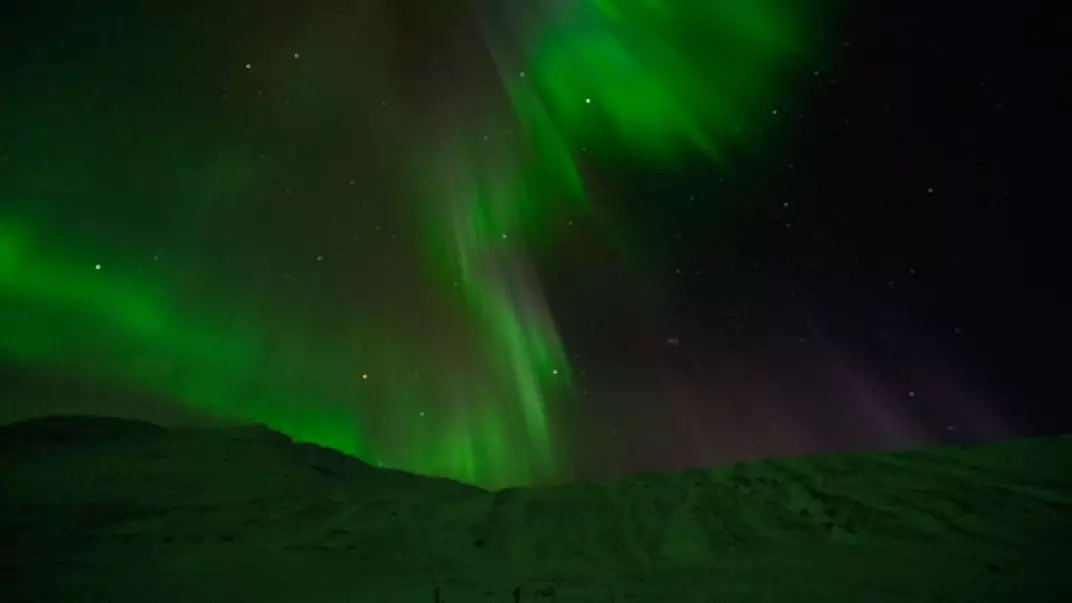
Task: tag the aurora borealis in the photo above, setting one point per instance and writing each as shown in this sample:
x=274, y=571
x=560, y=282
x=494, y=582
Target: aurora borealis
x=389, y=227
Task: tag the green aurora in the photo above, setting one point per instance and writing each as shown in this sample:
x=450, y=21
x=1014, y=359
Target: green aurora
x=454, y=367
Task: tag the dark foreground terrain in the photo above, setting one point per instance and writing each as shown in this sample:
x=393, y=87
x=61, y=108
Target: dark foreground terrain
x=96, y=509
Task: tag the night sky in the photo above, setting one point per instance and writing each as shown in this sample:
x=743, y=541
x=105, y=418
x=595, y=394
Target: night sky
x=517, y=242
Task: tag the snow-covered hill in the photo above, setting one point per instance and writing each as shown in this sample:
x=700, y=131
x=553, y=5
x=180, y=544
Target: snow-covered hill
x=97, y=509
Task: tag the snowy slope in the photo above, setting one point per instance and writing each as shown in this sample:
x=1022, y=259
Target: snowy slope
x=95, y=509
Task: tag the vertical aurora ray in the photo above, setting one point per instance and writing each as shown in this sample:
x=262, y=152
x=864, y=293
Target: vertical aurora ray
x=481, y=219
x=648, y=80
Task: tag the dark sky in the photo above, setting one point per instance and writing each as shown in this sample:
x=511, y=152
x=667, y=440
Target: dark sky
x=301, y=215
